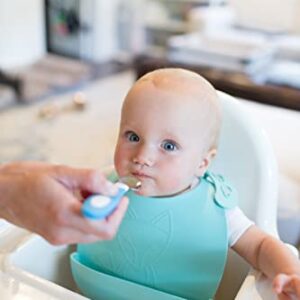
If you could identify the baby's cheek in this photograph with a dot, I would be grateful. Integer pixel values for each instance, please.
(119, 166)
(117, 163)
(172, 182)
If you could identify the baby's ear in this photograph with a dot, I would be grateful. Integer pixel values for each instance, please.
(206, 162)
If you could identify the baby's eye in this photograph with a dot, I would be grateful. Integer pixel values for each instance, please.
(169, 146)
(132, 137)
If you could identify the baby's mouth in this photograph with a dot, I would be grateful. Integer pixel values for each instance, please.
(132, 182)
(140, 175)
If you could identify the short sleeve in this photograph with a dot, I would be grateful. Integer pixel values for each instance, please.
(237, 224)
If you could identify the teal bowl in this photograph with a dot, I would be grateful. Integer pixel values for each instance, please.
(100, 286)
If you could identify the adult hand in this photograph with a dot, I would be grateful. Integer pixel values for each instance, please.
(47, 200)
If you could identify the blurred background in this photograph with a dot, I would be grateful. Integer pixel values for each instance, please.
(257, 39)
(64, 64)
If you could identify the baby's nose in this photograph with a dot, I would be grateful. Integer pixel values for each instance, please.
(144, 156)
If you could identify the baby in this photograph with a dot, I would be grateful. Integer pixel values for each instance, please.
(175, 236)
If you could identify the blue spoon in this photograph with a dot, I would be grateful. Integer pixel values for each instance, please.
(98, 207)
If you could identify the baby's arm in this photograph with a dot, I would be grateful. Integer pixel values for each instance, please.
(273, 258)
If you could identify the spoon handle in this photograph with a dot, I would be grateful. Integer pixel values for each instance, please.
(98, 207)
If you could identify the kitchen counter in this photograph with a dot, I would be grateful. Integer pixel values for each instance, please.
(79, 138)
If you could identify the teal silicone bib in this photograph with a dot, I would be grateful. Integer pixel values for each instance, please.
(175, 247)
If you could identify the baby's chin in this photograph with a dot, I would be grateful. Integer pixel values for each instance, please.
(148, 191)
(144, 192)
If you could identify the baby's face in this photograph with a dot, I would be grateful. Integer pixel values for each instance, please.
(160, 141)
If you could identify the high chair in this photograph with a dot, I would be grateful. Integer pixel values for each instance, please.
(246, 157)
(32, 269)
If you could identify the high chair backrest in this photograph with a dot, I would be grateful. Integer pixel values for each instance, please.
(246, 158)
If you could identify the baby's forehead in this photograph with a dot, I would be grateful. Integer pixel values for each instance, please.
(174, 95)
(169, 94)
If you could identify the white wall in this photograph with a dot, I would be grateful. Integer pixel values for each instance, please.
(111, 20)
(22, 38)
(104, 43)
(273, 15)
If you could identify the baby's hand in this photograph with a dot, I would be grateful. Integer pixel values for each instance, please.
(287, 287)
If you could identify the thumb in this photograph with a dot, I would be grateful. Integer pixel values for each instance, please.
(89, 180)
